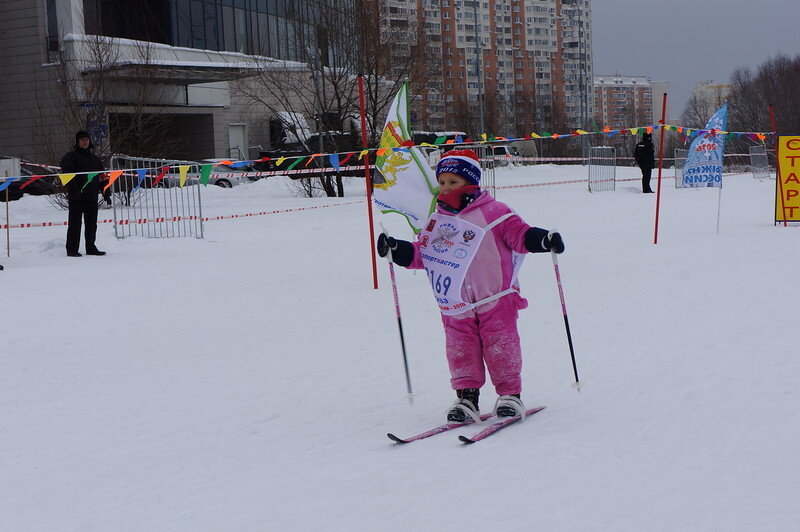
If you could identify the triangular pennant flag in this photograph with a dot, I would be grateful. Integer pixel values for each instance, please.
(205, 173)
(31, 180)
(534, 135)
(4, 185)
(680, 130)
(761, 136)
(334, 158)
(295, 163)
(439, 141)
(160, 176)
(66, 178)
(381, 152)
(634, 131)
(649, 130)
(545, 134)
(581, 132)
(312, 158)
(280, 161)
(606, 129)
(239, 164)
(89, 177)
(224, 163)
(142, 174)
(362, 154)
(459, 140)
(113, 176)
(483, 136)
(183, 170)
(344, 161)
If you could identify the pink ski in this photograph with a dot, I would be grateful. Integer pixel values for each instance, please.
(498, 425)
(434, 432)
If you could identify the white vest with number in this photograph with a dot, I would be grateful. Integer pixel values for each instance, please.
(448, 245)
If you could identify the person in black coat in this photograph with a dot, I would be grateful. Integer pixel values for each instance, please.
(645, 156)
(82, 196)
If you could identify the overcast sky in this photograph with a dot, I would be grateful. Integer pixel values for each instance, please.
(685, 41)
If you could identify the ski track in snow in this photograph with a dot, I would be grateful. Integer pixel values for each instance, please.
(247, 381)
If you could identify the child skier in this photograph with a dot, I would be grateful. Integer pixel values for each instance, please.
(472, 248)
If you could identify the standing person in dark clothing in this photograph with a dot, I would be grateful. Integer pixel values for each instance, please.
(82, 196)
(645, 155)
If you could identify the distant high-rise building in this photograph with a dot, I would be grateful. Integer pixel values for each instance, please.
(509, 67)
(627, 101)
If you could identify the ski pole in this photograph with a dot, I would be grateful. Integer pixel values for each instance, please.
(399, 318)
(566, 319)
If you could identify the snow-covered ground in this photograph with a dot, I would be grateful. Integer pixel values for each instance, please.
(247, 381)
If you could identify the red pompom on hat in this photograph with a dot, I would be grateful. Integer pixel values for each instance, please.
(463, 163)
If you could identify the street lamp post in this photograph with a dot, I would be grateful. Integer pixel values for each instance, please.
(581, 69)
(478, 60)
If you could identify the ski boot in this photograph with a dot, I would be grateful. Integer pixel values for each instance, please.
(466, 407)
(509, 406)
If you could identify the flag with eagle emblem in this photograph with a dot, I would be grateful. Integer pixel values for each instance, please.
(402, 181)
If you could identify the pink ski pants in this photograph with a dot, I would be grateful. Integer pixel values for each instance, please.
(477, 337)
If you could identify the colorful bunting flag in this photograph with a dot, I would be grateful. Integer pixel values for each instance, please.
(89, 177)
(113, 176)
(295, 163)
(205, 173)
(142, 174)
(334, 158)
(31, 180)
(4, 185)
(183, 170)
(160, 176)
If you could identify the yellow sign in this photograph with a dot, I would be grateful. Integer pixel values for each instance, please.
(787, 193)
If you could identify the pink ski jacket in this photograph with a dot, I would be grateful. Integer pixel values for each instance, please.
(492, 269)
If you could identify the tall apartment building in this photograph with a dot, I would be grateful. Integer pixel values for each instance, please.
(522, 65)
(170, 59)
(623, 101)
(627, 101)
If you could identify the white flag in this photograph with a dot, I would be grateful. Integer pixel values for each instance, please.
(404, 182)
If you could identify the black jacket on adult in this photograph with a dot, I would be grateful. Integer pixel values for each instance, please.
(80, 160)
(645, 154)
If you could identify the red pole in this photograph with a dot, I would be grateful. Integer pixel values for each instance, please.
(779, 185)
(367, 180)
(660, 161)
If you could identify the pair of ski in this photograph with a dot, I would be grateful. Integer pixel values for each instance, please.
(495, 427)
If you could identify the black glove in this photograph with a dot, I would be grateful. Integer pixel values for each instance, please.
(402, 251)
(554, 243)
(385, 243)
(539, 240)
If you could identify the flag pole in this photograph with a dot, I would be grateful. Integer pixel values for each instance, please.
(778, 182)
(660, 161)
(367, 181)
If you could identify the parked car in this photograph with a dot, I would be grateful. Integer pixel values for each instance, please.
(41, 187)
(502, 154)
(221, 176)
(231, 179)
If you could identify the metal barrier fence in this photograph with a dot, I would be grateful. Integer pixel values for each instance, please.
(759, 164)
(139, 194)
(602, 168)
(680, 161)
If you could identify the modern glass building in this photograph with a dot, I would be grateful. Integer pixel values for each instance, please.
(270, 28)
